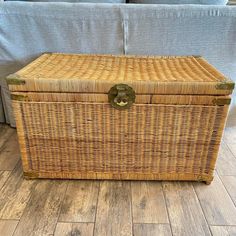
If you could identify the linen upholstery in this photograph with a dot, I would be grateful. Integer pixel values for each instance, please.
(203, 2)
(29, 29)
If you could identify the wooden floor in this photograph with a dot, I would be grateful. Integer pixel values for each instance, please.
(115, 208)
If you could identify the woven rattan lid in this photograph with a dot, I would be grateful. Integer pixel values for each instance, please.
(53, 72)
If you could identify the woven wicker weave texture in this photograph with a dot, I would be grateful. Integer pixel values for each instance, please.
(67, 128)
(94, 73)
(148, 140)
(58, 66)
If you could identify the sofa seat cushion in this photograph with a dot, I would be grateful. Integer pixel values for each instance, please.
(202, 2)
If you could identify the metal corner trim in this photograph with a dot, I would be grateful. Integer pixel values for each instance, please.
(18, 97)
(197, 56)
(31, 175)
(14, 79)
(221, 101)
(47, 53)
(226, 85)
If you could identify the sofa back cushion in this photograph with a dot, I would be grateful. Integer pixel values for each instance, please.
(202, 2)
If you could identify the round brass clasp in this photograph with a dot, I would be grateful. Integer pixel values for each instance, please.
(121, 96)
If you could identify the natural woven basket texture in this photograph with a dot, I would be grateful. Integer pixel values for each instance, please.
(67, 128)
(97, 73)
(94, 140)
(93, 67)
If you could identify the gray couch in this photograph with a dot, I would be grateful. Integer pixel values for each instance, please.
(28, 29)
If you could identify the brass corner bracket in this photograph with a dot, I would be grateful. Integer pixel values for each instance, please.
(18, 97)
(15, 81)
(225, 86)
(31, 175)
(221, 101)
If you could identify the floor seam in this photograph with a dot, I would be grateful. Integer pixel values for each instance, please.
(131, 208)
(167, 210)
(95, 218)
(59, 212)
(229, 148)
(27, 202)
(200, 204)
(226, 188)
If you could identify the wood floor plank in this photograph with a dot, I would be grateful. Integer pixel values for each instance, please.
(3, 177)
(15, 194)
(152, 230)
(10, 153)
(42, 211)
(80, 202)
(230, 135)
(216, 203)
(184, 209)
(114, 209)
(5, 133)
(223, 230)
(232, 147)
(74, 229)
(230, 139)
(148, 202)
(226, 162)
(230, 184)
(7, 227)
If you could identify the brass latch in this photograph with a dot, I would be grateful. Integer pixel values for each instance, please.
(121, 96)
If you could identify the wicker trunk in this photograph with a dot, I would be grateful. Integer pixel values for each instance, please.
(119, 117)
